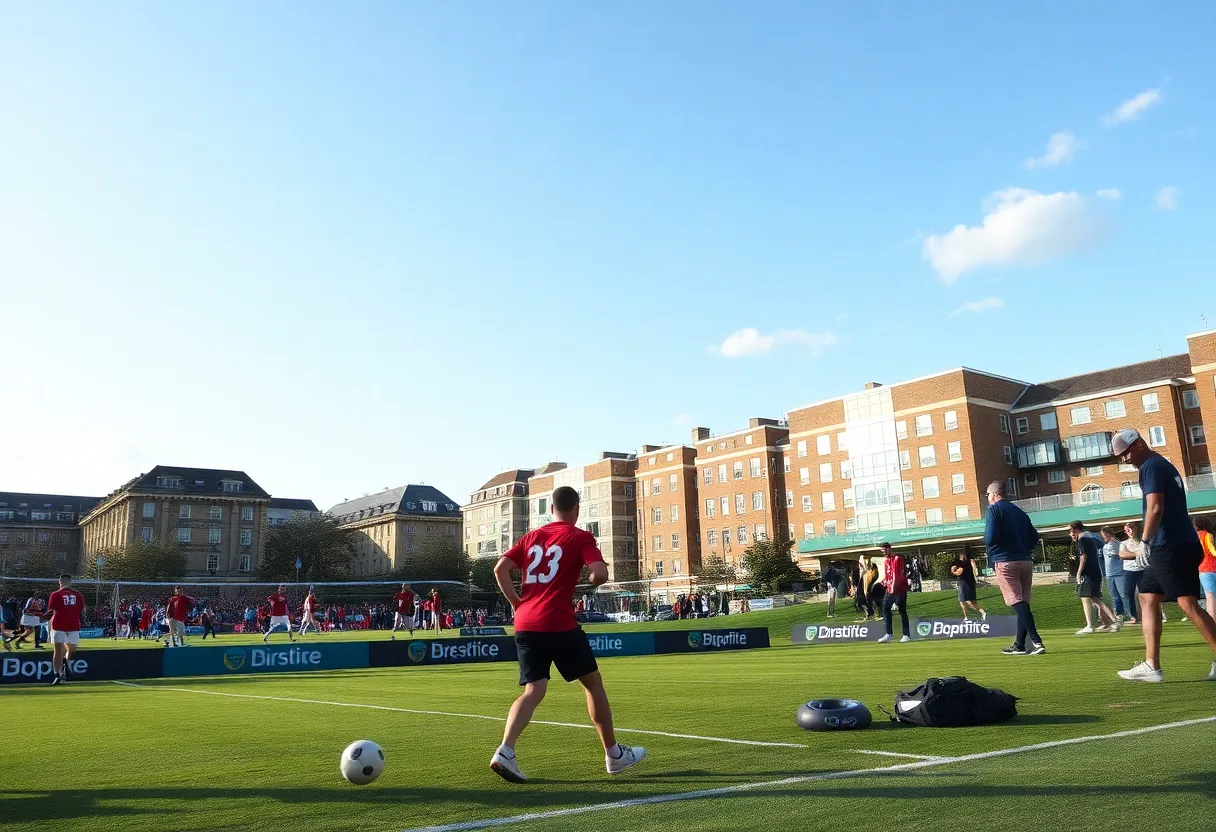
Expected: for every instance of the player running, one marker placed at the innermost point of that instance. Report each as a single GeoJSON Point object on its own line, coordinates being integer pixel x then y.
{"type": "Point", "coordinates": [175, 616]}
{"type": "Point", "coordinates": [64, 610]}
{"type": "Point", "coordinates": [278, 614]}
{"type": "Point", "coordinates": [546, 633]}
{"type": "Point", "coordinates": [31, 622]}
{"type": "Point", "coordinates": [308, 615]}
{"type": "Point", "coordinates": [404, 601]}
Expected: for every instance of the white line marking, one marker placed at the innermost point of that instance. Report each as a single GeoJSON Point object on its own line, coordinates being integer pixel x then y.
{"type": "Point", "coordinates": [790, 781]}
{"type": "Point", "coordinates": [460, 715]}
{"type": "Point", "coordinates": [897, 754]}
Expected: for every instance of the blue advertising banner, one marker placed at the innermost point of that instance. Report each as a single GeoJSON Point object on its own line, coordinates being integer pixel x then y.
{"type": "Point", "coordinates": [87, 666]}
{"type": "Point", "coordinates": [483, 631]}
{"type": "Point", "coordinates": [92, 632]}
{"type": "Point", "coordinates": [701, 641]}
{"type": "Point", "coordinates": [837, 633]}
{"type": "Point", "coordinates": [270, 658]}
{"type": "Point", "coordinates": [606, 645]}
{"type": "Point", "coordinates": [442, 651]}
{"type": "Point", "coordinates": [994, 626]}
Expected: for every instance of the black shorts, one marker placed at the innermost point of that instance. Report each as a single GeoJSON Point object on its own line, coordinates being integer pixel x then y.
{"type": "Point", "coordinates": [1173, 571]}
{"type": "Point", "coordinates": [570, 651]}
{"type": "Point", "coordinates": [966, 591]}
{"type": "Point", "coordinates": [1090, 587]}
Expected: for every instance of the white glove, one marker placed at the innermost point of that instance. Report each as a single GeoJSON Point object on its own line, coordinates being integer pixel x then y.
{"type": "Point", "coordinates": [1142, 559]}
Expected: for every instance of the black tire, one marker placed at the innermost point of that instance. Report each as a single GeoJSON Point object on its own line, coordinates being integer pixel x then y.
{"type": "Point", "coordinates": [834, 715]}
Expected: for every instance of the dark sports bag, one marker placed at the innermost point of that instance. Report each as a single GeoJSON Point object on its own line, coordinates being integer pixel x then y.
{"type": "Point", "coordinates": [953, 702]}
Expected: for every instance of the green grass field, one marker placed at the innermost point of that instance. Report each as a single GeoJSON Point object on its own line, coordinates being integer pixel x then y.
{"type": "Point", "coordinates": [261, 752]}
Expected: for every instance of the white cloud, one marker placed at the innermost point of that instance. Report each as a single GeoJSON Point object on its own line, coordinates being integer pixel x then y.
{"type": "Point", "coordinates": [1110, 193]}
{"type": "Point", "coordinates": [975, 307]}
{"type": "Point", "coordinates": [1167, 198]}
{"type": "Point", "coordinates": [1132, 108]}
{"type": "Point", "coordinates": [1061, 147]}
{"type": "Point", "coordinates": [750, 341]}
{"type": "Point", "coordinates": [1021, 227]}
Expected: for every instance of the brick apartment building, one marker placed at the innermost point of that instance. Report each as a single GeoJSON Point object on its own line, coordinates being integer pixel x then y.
{"type": "Point", "coordinates": [219, 516]}
{"type": "Point", "coordinates": [497, 514]}
{"type": "Point", "coordinates": [398, 523]}
{"type": "Point", "coordinates": [740, 488]}
{"type": "Point", "coordinates": [669, 528]}
{"type": "Point", "coordinates": [609, 505]}
{"type": "Point", "coordinates": [32, 525]}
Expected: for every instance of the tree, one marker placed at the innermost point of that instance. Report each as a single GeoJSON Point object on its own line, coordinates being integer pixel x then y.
{"type": "Point", "coordinates": [481, 574]}
{"type": "Point", "coordinates": [769, 564]}
{"type": "Point", "coordinates": [324, 548]}
{"type": "Point", "coordinates": [139, 562]}
{"type": "Point", "coordinates": [714, 571]}
{"type": "Point", "coordinates": [436, 560]}
{"type": "Point", "coordinates": [627, 571]}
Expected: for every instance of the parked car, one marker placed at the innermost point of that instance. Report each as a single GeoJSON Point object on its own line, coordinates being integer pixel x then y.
{"type": "Point", "coordinates": [664, 612]}
{"type": "Point", "coordinates": [591, 617]}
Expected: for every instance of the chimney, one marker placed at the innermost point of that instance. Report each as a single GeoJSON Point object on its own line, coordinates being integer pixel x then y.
{"type": "Point", "coordinates": [870, 385]}
{"type": "Point", "coordinates": [757, 422]}
{"type": "Point", "coordinates": [700, 434]}
{"type": "Point", "coordinates": [649, 449]}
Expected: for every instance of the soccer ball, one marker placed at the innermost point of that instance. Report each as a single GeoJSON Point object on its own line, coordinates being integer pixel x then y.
{"type": "Point", "coordinates": [361, 762]}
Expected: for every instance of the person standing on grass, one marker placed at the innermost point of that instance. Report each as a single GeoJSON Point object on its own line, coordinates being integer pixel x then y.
{"type": "Point", "coordinates": [31, 622]}
{"type": "Point", "coordinates": [436, 610]}
{"type": "Point", "coordinates": [1171, 554]}
{"type": "Point", "coordinates": [308, 613]}
{"type": "Point", "coordinates": [963, 569]}
{"type": "Point", "coordinates": [1116, 576]}
{"type": "Point", "coordinates": [550, 560]}
{"type": "Point", "coordinates": [403, 602]}
{"type": "Point", "coordinates": [279, 616]}
{"type": "Point", "coordinates": [207, 620]}
{"type": "Point", "coordinates": [830, 579]}
{"type": "Point", "coordinates": [895, 585]}
{"type": "Point", "coordinates": [64, 609]}
{"type": "Point", "coordinates": [1089, 582]}
{"type": "Point", "coordinates": [1207, 569]}
{"type": "Point", "coordinates": [1010, 539]}
{"type": "Point", "coordinates": [175, 616]}
{"type": "Point", "coordinates": [1129, 553]}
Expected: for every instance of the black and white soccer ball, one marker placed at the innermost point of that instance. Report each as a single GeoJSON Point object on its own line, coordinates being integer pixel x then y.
{"type": "Point", "coordinates": [361, 762]}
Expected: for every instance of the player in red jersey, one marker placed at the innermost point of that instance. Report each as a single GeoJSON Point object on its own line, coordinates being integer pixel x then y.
{"type": "Point", "coordinates": [175, 616]}
{"type": "Point", "coordinates": [308, 613]}
{"type": "Point", "coordinates": [278, 614]}
{"type": "Point", "coordinates": [64, 609]}
{"type": "Point", "coordinates": [550, 560]}
{"type": "Point", "coordinates": [404, 604]}
{"type": "Point", "coordinates": [436, 610]}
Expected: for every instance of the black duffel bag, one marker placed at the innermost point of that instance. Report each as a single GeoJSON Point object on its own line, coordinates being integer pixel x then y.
{"type": "Point", "coordinates": [953, 702]}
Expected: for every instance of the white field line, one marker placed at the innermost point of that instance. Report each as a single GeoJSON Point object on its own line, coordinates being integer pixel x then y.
{"type": "Point", "coordinates": [460, 715]}
{"type": "Point", "coordinates": [896, 754]}
{"type": "Point", "coordinates": [791, 781]}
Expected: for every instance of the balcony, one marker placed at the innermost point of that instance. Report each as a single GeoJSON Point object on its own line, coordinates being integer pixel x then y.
{"type": "Point", "coordinates": [1043, 454]}
{"type": "Point", "coordinates": [1088, 446]}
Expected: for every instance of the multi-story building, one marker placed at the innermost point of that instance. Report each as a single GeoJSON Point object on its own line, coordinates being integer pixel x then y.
{"type": "Point", "coordinates": [741, 488]}
{"type": "Point", "coordinates": [497, 514]}
{"type": "Point", "coordinates": [218, 516]}
{"type": "Point", "coordinates": [32, 525]}
{"type": "Point", "coordinates": [398, 523]}
{"type": "Point", "coordinates": [280, 510]}
{"type": "Point", "coordinates": [669, 528]}
{"type": "Point", "coordinates": [609, 506]}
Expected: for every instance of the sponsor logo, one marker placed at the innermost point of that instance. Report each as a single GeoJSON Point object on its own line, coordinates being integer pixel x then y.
{"type": "Point", "coordinates": [812, 633]}
{"type": "Point", "coordinates": [234, 659]}
{"type": "Point", "coordinates": [417, 651]}
{"type": "Point", "coordinates": [458, 650]}
{"type": "Point", "coordinates": [847, 631]}
{"type": "Point", "coordinates": [924, 628]}
{"type": "Point", "coordinates": [694, 640]}
{"type": "Point", "coordinates": [950, 629]}
{"type": "Point", "coordinates": [608, 644]}
{"type": "Point", "coordinates": [711, 641]}
{"type": "Point", "coordinates": [39, 669]}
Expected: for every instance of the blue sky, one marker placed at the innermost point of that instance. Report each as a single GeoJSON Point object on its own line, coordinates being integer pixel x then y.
{"type": "Point", "coordinates": [344, 247]}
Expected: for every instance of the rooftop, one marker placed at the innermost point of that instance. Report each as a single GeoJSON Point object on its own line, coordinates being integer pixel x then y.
{"type": "Point", "coordinates": [507, 477]}
{"type": "Point", "coordinates": [1130, 375]}
{"type": "Point", "coordinates": [289, 504]}
{"type": "Point", "coordinates": [424, 500]}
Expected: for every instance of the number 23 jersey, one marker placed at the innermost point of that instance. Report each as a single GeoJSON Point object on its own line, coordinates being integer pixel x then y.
{"type": "Point", "coordinates": [550, 560]}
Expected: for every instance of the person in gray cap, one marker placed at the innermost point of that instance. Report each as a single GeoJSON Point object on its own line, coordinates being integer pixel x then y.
{"type": "Point", "coordinates": [1170, 556]}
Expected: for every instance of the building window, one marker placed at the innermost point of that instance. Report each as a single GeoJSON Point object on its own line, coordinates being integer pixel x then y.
{"type": "Point", "coordinates": [1080, 416]}
{"type": "Point", "coordinates": [785, 464]}
{"type": "Point", "coordinates": [44, 537]}
{"type": "Point", "coordinates": [933, 516]}
{"type": "Point", "coordinates": [740, 504]}
{"type": "Point", "coordinates": [1047, 421]}
{"type": "Point", "coordinates": [928, 487]}
{"type": "Point", "coordinates": [789, 499]}
{"type": "Point", "coordinates": [908, 495]}
{"type": "Point", "coordinates": [724, 505]}
{"type": "Point", "coordinates": [1004, 421]}
{"type": "Point", "coordinates": [656, 486]}
{"type": "Point", "coordinates": [1038, 454]}
{"type": "Point", "coordinates": [1022, 424]}
{"type": "Point", "coordinates": [1198, 437]}
{"type": "Point", "coordinates": [149, 510]}
{"type": "Point", "coordinates": [1012, 485]}
{"type": "Point", "coordinates": [674, 513]}
{"type": "Point", "coordinates": [754, 469]}
{"type": "Point", "coordinates": [247, 513]}
{"type": "Point", "coordinates": [232, 485]}
{"type": "Point", "coordinates": [847, 495]}
{"type": "Point", "coordinates": [850, 524]}
{"type": "Point", "coordinates": [628, 493]}
{"type": "Point", "coordinates": [183, 512]}
{"type": "Point", "coordinates": [726, 536]}
{"type": "Point", "coordinates": [955, 450]}
{"type": "Point", "coordinates": [807, 504]}
{"type": "Point", "coordinates": [1030, 478]}
{"type": "Point", "coordinates": [673, 482]}
{"type": "Point", "coordinates": [829, 528]}
{"type": "Point", "coordinates": [828, 499]}
{"type": "Point", "coordinates": [905, 460]}
{"type": "Point", "coordinates": [957, 484]}
{"type": "Point", "coordinates": [801, 447]}
{"type": "Point", "coordinates": [741, 535]}
{"type": "Point", "coordinates": [1093, 471]}
{"type": "Point", "coordinates": [710, 505]}
{"type": "Point", "coordinates": [675, 543]}
{"type": "Point", "coordinates": [1090, 494]}
{"type": "Point", "coordinates": [722, 472]}
{"type": "Point", "coordinates": [951, 418]}
{"type": "Point", "coordinates": [1126, 469]}
{"type": "Point", "coordinates": [757, 501]}
{"type": "Point", "coordinates": [1115, 409]}
{"type": "Point", "coordinates": [711, 537]}
{"type": "Point", "coordinates": [901, 430]}
{"type": "Point", "coordinates": [145, 534]}
{"type": "Point", "coordinates": [246, 562]}
{"type": "Point", "coordinates": [808, 529]}
{"type": "Point", "coordinates": [792, 532]}
{"type": "Point", "coordinates": [738, 469]}
{"type": "Point", "coordinates": [825, 472]}
{"type": "Point", "coordinates": [217, 512]}
{"type": "Point", "coordinates": [804, 476]}
{"type": "Point", "coordinates": [1008, 455]}
{"type": "Point", "coordinates": [1088, 446]}
{"type": "Point", "coordinates": [656, 543]}
{"type": "Point", "coordinates": [183, 535]}
{"type": "Point", "coordinates": [928, 456]}
{"type": "Point", "coordinates": [961, 512]}
{"type": "Point", "coordinates": [823, 445]}
{"type": "Point", "coordinates": [708, 474]}
{"type": "Point", "coordinates": [1190, 399]}
{"type": "Point", "coordinates": [656, 516]}
{"type": "Point", "coordinates": [747, 440]}
{"type": "Point", "coordinates": [924, 425]}
{"type": "Point", "coordinates": [213, 563]}
{"type": "Point", "coordinates": [1156, 437]}
{"type": "Point", "coordinates": [1129, 490]}
{"type": "Point", "coordinates": [910, 519]}
{"type": "Point", "coordinates": [842, 442]}
{"type": "Point", "coordinates": [1203, 468]}
{"type": "Point", "coordinates": [846, 469]}
{"type": "Point", "coordinates": [214, 536]}
{"type": "Point", "coordinates": [761, 533]}
{"type": "Point", "coordinates": [1151, 405]}
{"type": "Point", "coordinates": [246, 537]}
{"type": "Point", "coordinates": [168, 482]}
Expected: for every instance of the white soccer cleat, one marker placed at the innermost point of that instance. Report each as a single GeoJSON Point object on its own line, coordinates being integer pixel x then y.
{"type": "Point", "coordinates": [1116, 625]}
{"type": "Point", "coordinates": [983, 615]}
{"type": "Point", "coordinates": [1211, 677]}
{"type": "Point", "coordinates": [630, 756]}
{"type": "Point", "coordinates": [507, 768]}
{"type": "Point", "coordinates": [1142, 672]}
{"type": "Point", "coordinates": [1101, 628]}
{"type": "Point", "coordinates": [1084, 631]}
{"type": "Point", "coordinates": [905, 639]}
{"type": "Point", "coordinates": [884, 639]}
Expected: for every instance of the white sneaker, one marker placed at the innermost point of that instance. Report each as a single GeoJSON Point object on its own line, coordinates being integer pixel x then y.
{"type": "Point", "coordinates": [1116, 625]}
{"type": "Point", "coordinates": [1142, 672]}
{"type": "Point", "coordinates": [1211, 677]}
{"type": "Point", "coordinates": [1084, 631]}
{"type": "Point", "coordinates": [884, 639]}
{"type": "Point", "coordinates": [506, 767]}
{"type": "Point", "coordinates": [905, 639]}
{"type": "Point", "coordinates": [983, 615]}
{"type": "Point", "coordinates": [629, 757]}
